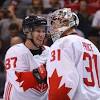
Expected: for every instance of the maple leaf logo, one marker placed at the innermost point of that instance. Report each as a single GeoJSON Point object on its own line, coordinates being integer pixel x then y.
{"type": "Point", "coordinates": [56, 93]}
{"type": "Point", "coordinates": [26, 80]}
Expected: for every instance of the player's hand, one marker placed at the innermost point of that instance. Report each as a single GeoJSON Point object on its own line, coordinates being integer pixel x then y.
{"type": "Point", "coordinates": [40, 74]}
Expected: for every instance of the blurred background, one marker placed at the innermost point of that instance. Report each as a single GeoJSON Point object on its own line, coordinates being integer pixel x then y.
{"type": "Point", "coordinates": [13, 11]}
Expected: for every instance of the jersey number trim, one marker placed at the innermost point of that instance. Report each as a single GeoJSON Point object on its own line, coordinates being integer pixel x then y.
{"type": "Point", "coordinates": [10, 62]}
{"type": "Point", "coordinates": [92, 64]}
{"type": "Point", "coordinates": [55, 55]}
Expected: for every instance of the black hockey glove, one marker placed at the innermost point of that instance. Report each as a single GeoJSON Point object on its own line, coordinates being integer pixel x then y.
{"type": "Point", "coordinates": [40, 74]}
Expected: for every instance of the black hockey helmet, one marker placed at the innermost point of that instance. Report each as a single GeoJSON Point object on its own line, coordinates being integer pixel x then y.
{"type": "Point", "coordinates": [30, 22]}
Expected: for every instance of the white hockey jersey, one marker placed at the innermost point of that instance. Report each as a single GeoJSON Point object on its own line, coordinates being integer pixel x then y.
{"type": "Point", "coordinates": [73, 69]}
{"type": "Point", "coordinates": [20, 83]}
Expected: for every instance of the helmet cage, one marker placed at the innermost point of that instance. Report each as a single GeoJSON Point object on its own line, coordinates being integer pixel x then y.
{"type": "Point", "coordinates": [67, 19]}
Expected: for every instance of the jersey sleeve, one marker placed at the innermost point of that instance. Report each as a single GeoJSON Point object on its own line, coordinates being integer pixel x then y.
{"type": "Point", "coordinates": [63, 77]}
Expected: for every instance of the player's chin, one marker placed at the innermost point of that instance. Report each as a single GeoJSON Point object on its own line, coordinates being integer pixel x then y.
{"type": "Point", "coordinates": [40, 44]}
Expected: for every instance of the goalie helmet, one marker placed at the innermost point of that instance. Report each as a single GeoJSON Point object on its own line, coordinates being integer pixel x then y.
{"type": "Point", "coordinates": [30, 22]}
{"type": "Point", "coordinates": [60, 21]}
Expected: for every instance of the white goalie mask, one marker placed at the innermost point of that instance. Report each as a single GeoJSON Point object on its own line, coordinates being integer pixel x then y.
{"type": "Point", "coordinates": [60, 21]}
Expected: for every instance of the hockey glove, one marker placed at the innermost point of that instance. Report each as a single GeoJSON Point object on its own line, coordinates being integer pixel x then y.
{"type": "Point", "coordinates": [40, 74]}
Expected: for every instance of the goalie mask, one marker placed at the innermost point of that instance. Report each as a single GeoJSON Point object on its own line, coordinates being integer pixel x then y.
{"type": "Point", "coordinates": [60, 21]}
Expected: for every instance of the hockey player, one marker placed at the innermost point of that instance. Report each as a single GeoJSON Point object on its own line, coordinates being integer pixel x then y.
{"type": "Point", "coordinates": [73, 66]}
{"type": "Point", "coordinates": [24, 63]}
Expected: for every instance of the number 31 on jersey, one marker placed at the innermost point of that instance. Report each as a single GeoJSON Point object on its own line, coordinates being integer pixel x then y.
{"type": "Point", "coordinates": [55, 55]}
{"type": "Point", "coordinates": [91, 68]}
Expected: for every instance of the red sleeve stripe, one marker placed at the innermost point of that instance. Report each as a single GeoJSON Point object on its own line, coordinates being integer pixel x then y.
{"type": "Point", "coordinates": [8, 91]}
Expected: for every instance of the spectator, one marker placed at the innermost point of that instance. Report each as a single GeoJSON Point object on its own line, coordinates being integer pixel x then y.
{"type": "Point", "coordinates": [85, 22]}
{"type": "Point", "coordinates": [96, 20]}
{"type": "Point", "coordinates": [95, 33]}
{"type": "Point", "coordinates": [94, 1]}
{"type": "Point", "coordinates": [16, 40]}
{"type": "Point", "coordinates": [94, 5]}
{"type": "Point", "coordinates": [19, 4]}
{"type": "Point", "coordinates": [15, 34]}
{"type": "Point", "coordinates": [14, 29]}
{"type": "Point", "coordinates": [72, 3]}
{"type": "Point", "coordinates": [1, 55]}
{"type": "Point", "coordinates": [2, 14]}
{"type": "Point", "coordinates": [2, 72]}
{"type": "Point", "coordinates": [54, 5]}
{"type": "Point", "coordinates": [5, 23]}
{"type": "Point", "coordinates": [2, 83]}
{"type": "Point", "coordinates": [22, 8]}
{"type": "Point", "coordinates": [47, 3]}
{"type": "Point", "coordinates": [3, 49]}
{"type": "Point", "coordinates": [36, 8]}
{"type": "Point", "coordinates": [2, 2]}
